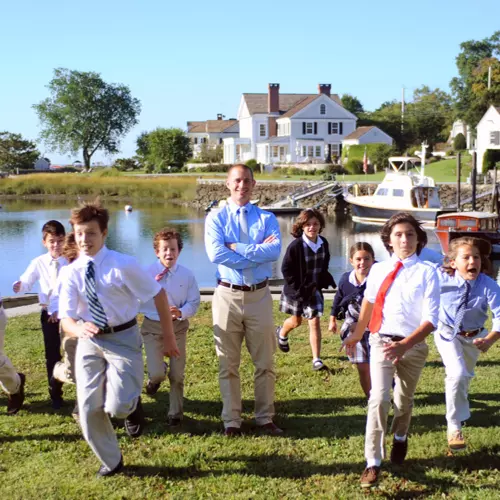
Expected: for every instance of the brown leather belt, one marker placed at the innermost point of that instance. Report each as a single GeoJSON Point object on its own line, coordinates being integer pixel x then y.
{"type": "Point", "coordinates": [119, 328]}
{"type": "Point", "coordinates": [243, 288]}
{"type": "Point", "coordinates": [471, 333]}
{"type": "Point", "coordinates": [392, 338]}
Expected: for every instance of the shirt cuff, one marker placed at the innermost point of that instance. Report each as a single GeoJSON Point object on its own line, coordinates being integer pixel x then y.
{"type": "Point", "coordinates": [241, 248]}
{"type": "Point", "coordinates": [495, 327]}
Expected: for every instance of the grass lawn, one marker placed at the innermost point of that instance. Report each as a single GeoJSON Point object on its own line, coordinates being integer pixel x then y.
{"type": "Point", "coordinates": [42, 454]}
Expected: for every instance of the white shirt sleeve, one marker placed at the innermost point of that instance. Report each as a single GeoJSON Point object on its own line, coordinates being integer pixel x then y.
{"type": "Point", "coordinates": [68, 299]}
{"type": "Point", "coordinates": [430, 307]}
{"type": "Point", "coordinates": [193, 299]}
{"type": "Point", "coordinates": [139, 281]}
{"type": "Point", "coordinates": [373, 283]}
{"type": "Point", "coordinates": [29, 277]}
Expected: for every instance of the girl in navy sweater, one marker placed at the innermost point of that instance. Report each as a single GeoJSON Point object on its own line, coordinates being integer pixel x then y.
{"type": "Point", "coordinates": [347, 305]}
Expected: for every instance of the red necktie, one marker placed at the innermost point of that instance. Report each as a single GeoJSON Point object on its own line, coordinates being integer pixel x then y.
{"type": "Point", "coordinates": [376, 319]}
{"type": "Point", "coordinates": [159, 276]}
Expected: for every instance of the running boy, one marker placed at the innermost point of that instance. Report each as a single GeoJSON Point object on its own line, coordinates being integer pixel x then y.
{"type": "Point", "coordinates": [402, 300]}
{"type": "Point", "coordinates": [45, 269]}
{"type": "Point", "coordinates": [103, 288]}
{"type": "Point", "coordinates": [184, 299]}
{"type": "Point", "coordinates": [466, 295]}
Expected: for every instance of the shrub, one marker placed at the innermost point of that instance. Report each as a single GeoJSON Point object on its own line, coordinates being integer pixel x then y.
{"type": "Point", "coordinates": [294, 171]}
{"type": "Point", "coordinates": [354, 167]}
{"type": "Point", "coordinates": [254, 165]}
{"type": "Point", "coordinates": [124, 164]}
{"type": "Point", "coordinates": [491, 156]}
{"type": "Point", "coordinates": [459, 142]}
{"type": "Point", "coordinates": [450, 152]}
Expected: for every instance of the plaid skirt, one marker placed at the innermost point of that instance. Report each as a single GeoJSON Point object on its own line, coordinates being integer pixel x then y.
{"type": "Point", "coordinates": [312, 308]}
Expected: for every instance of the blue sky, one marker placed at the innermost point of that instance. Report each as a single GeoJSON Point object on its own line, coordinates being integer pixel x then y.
{"type": "Point", "coordinates": [191, 60]}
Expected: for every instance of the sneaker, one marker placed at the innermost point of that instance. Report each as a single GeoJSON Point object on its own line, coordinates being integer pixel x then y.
{"type": "Point", "coordinates": [318, 365]}
{"type": "Point", "coordinates": [282, 341]}
{"type": "Point", "coordinates": [16, 400]}
{"type": "Point", "coordinates": [370, 477]}
{"type": "Point", "coordinates": [399, 451]}
{"type": "Point", "coordinates": [456, 441]}
{"type": "Point", "coordinates": [105, 472]}
{"type": "Point", "coordinates": [134, 423]}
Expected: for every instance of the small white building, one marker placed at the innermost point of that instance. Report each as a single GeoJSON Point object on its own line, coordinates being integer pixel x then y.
{"type": "Point", "coordinates": [488, 134]}
{"type": "Point", "coordinates": [289, 128]}
{"type": "Point", "coordinates": [460, 127]}
{"type": "Point", "coordinates": [42, 164]}
{"type": "Point", "coordinates": [211, 132]}
{"type": "Point", "coordinates": [367, 135]}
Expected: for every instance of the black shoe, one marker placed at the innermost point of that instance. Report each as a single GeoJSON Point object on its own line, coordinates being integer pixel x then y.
{"type": "Point", "coordinates": [105, 472]}
{"type": "Point", "coordinates": [283, 344]}
{"type": "Point", "coordinates": [173, 421]}
{"type": "Point", "coordinates": [55, 392]}
{"type": "Point", "coordinates": [152, 389]}
{"type": "Point", "coordinates": [57, 403]}
{"type": "Point", "coordinates": [232, 431]}
{"type": "Point", "coordinates": [399, 451]}
{"type": "Point", "coordinates": [16, 400]}
{"type": "Point", "coordinates": [134, 423]}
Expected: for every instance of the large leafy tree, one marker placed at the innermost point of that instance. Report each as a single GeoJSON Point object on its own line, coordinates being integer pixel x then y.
{"type": "Point", "coordinates": [472, 63]}
{"type": "Point", "coordinates": [352, 104]}
{"type": "Point", "coordinates": [85, 113]}
{"type": "Point", "coordinates": [16, 152]}
{"type": "Point", "coordinates": [168, 147]}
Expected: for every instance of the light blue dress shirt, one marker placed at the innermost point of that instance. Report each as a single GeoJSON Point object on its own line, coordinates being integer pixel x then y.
{"type": "Point", "coordinates": [484, 292]}
{"type": "Point", "coordinates": [223, 227]}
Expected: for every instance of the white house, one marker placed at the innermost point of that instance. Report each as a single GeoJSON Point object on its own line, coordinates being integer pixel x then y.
{"type": "Point", "coordinates": [291, 128]}
{"type": "Point", "coordinates": [488, 133]}
{"type": "Point", "coordinates": [367, 135]}
{"type": "Point", "coordinates": [211, 132]}
{"type": "Point", "coordinates": [42, 164]}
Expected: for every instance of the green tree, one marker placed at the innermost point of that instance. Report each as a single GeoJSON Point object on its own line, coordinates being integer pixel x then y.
{"type": "Point", "coordinates": [168, 147]}
{"type": "Point", "coordinates": [85, 113]}
{"type": "Point", "coordinates": [352, 104]}
{"type": "Point", "coordinates": [210, 153]}
{"type": "Point", "coordinates": [379, 155]}
{"type": "Point", "coordinates": [142, 150]}
{"type": "Point", "coordinates": [124, 164]}
{"type": "Point", "coordinates": [16, 152]}
{"type": "Point", "coordinates": [459, 142]}
{"type": "Point", "coordinates": [468, 105]}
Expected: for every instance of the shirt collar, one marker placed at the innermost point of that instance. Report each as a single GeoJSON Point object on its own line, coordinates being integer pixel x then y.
{"type": "Point", "coordinates": [235, 208]}
{"type": "Point", "coordinates": [461, 281]}
{"type": "Point", "coordinates": [408, 262]}
{"type": "Point", "coordinates": [353, 280]}
{"type": "Point", "coordinates": [171, 270]}
{"type": "Point", "coordinates": [49, 258]}
{"type": "Point", "coordinates": [97, 258]}
{"type": "Point", "coordinates": [313, 246]}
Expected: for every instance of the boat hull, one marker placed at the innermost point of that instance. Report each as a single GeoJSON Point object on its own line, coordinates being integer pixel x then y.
{"type": "Point", "coordinates": [376, 215]}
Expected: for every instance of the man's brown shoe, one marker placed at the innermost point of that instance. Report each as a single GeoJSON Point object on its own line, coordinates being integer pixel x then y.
{"type": "Point", "coordinates": [16, 400]}
{"type": "Point", "coordinates": [232, 431]}
{"type": "Point", "coordinates": [456, 441]}
{"type": "Point", "coordinates": [399, 450]}
{"type": "Point", "coordinates": [370, 477]}
{"type": "Point", "coordinates": [271, 429]}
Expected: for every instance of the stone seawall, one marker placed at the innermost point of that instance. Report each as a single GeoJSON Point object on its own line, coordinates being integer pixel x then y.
{"type": "Point", "coordinates": [271, 192]}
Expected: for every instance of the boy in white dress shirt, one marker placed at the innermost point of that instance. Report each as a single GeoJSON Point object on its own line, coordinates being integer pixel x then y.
{"type": "Point", "coordinates": [45, 269]}
{"type": "Point", "coordinates": [11, 382]}
{"type": "Point", "coordinates": [401, 302]}
{"type": "Point", "coordinates": [103, 289]}
{"type": "Point", "coordinates": [184, 299]}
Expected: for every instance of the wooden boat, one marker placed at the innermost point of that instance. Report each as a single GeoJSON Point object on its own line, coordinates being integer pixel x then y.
{"type": "Point", "coordinates": [478, 224]}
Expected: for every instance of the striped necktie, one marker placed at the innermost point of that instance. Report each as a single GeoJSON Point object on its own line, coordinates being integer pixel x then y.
{"type": "Point", "coordinates": [160, 275]}
{"type": "Point", "coordinates": [95, 307]}
{"type": "Point", "coordinates": [462, 306]}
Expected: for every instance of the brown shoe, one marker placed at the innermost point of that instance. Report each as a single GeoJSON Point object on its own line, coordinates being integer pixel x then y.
{"type": "Point", "coordinates": [232, 431]}
{"type": "Point", "coordinates": [456, 441]}
{"type": "Point", "coordinates": [152, 389]}
{"type": "Point", "coordinates": [399, 450]}
{"type": "Point", "coordinates": [16, 401]}
{"type": "Point", "coordinates": [271, 429]}
{"type": "Point", "coordinates": [370, 477]}
{"type": "Point", "coordinates": [174, 421]}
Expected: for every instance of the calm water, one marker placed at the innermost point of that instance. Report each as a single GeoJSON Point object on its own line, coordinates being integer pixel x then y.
{"type": "Point", "coordinates": [21, 223]}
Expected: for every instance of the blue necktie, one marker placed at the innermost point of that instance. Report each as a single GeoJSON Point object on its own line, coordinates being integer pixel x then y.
{"type": "Point", "coordinates": [243, 222]}
{"type": "Point", "coordinates": [459, 316]}
{"type": "Point", "coordinates": [95, 307]}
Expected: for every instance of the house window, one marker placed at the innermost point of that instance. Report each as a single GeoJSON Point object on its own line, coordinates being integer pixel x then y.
{"type": "Point", "coordinates": [195, 140]}
{"type": "Point", "coordinates": [221, 140]}
{"type": "Point", "coordinates": [262, 130]}
{"type": "Point", "coordinates": [310, 151]}
{"type": "Point", "coordinates": [335, 128]}
{"type": "Point", "coordinates": [309, 127]}
{"type": "Point", "coordinates": [334, 149]}
{"type": "Point", "coordinates": [275, 151]}
{"type": "Point", "coordinates": [304, 150]}
{"type": "Point", "coordinates": [318, 151]}
{"type": "Point", "coordinates": [282, 152]}
{"type": "Point", "coordinates": [322, 109]}
{"type": "Point", "coordinates": [495, 138]}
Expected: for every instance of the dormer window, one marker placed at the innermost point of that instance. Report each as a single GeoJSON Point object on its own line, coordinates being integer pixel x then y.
{"type": "Point", "coordinates": [262, 130]}
{"type": "Point", "coordinates": [322, 109]}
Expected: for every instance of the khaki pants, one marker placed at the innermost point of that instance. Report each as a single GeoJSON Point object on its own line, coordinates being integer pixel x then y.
{"type": "Point", "coordinates": [9, 379]}
{"type": "Point", "coordinates": [109, 373]}
{"type": "Point", "coordinates": [64, 370]}
{"type": "Point", "coordinates": [406, 374]}
{"type": "Point", "coordinates": [241, 315]}
{"type": "Point", "coordinates": [157, 368]}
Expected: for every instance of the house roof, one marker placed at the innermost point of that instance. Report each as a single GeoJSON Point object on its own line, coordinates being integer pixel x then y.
{"type": "Point", "coordinates": [257, 103]}
{"type": "Point", "coordinates": [359, 132]}
{"type": "Point", "coordinates": [208, 126]}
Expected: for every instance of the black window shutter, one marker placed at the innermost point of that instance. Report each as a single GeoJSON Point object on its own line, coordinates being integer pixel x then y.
{"type": "Point", "coordinates": [315, 128]}
{"type": "Point", "coordinates": [329, 128]}
{"type": "Point", "coordinates": [341, 128]}
{"type": "Point", "coordinates": [340, 149]}
{"type": "Point", "coordinates": [304, 128]}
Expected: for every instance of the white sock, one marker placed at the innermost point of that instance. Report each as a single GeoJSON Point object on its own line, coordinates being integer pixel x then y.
{"type": "Point", "coordinates": [373, 462]}
{"type": "Point", "coordinates": [401, 439]}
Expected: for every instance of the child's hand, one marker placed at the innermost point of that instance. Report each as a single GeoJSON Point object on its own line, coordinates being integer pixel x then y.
{"type": "Point", "coordinates": [16, 287]}
{"type": "Point", "coordinates": [53, 318]}
{"type": "Point", "coordinates": [349, 343]}
{"type": "Point", "coordinates": [269, 239]}
{"type": "Point", "coordinates": [332, 324]}
{"type": "Point", "coordinates": [170, 348]}
{"type": "Point", "coordinates": [394, 351]}
{"type": "Point", "coordinates": [482, 344]}
{"type": "Point", "coordinates": [176, 313]}
{"type": "Point", "coordinates": [87, 330]}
